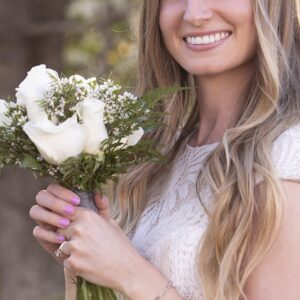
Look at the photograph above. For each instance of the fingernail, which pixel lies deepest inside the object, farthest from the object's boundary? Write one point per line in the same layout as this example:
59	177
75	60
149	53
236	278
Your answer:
69	209
64	222
75	200
61	238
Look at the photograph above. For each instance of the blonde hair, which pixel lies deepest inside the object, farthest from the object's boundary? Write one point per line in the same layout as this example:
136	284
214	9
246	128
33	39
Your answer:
241	229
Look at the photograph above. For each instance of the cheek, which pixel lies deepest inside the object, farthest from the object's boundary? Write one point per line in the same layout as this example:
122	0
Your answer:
170	15
245	34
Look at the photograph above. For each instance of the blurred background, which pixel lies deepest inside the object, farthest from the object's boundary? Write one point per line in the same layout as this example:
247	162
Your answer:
87	37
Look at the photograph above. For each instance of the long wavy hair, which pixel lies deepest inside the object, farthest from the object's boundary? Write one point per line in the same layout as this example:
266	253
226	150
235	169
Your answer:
242	226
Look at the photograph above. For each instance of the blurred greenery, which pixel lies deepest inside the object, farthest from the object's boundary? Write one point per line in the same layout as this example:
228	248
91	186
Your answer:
107	46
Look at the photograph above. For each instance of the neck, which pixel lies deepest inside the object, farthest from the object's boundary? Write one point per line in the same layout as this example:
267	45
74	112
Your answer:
220	101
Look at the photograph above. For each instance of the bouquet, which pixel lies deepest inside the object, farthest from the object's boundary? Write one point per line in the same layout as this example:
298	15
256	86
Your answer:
81	132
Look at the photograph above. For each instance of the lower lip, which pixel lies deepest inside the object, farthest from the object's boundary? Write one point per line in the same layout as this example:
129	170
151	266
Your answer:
205	47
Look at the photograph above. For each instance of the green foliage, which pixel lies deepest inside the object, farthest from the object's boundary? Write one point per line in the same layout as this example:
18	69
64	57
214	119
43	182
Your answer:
88	172
88	291
105	43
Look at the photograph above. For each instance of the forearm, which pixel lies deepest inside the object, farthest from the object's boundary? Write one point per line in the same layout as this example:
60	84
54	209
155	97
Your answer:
70	285
146	282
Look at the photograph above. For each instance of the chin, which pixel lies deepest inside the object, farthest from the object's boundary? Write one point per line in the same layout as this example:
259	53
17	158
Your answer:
206	68
208	71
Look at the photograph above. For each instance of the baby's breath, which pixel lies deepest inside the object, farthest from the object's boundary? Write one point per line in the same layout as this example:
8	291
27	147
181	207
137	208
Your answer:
123	114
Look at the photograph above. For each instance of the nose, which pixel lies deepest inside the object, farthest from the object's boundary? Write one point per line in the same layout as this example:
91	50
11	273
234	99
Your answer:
197	12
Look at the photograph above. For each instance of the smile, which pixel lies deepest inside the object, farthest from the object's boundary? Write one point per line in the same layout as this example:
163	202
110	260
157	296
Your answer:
207	39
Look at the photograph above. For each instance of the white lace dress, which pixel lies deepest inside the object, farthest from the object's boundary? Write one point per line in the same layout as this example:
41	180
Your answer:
169	231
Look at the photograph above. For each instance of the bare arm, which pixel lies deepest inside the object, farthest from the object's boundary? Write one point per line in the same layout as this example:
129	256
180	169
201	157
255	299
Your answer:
278	275
147	282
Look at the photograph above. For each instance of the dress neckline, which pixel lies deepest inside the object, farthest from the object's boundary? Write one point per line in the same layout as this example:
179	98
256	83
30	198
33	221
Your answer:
201	148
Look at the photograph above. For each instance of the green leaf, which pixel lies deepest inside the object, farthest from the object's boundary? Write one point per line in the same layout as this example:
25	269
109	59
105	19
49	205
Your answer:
30	162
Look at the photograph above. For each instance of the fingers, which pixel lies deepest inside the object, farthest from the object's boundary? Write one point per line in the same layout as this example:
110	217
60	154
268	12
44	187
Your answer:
41	233
40	214
56	205
63	193
66	247
102	203
46	226
103	206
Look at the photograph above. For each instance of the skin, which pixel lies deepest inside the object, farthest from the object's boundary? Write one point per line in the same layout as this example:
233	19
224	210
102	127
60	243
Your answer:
95	244
215	70
278	275
221	75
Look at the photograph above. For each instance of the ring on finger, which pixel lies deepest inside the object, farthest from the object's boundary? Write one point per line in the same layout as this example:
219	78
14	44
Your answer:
60	252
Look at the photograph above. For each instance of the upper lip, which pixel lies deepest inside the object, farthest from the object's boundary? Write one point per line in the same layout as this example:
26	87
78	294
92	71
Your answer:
204	33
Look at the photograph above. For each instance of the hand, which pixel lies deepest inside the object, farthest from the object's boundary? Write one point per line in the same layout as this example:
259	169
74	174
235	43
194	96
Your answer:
99	250
52	212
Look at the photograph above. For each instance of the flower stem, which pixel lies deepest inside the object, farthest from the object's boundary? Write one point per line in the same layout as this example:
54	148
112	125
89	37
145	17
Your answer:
89	291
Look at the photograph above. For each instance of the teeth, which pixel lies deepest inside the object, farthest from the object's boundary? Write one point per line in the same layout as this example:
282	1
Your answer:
207	39
198	40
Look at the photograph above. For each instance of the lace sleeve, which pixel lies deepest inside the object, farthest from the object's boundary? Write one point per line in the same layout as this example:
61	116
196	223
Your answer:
286	154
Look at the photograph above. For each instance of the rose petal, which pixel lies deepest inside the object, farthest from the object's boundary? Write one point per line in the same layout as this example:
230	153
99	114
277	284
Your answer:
32	89
56	143
134	138
91	112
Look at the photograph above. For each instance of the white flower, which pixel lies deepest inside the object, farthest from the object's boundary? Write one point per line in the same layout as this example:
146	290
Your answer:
4	120
133	139
33	88
91	112
76	78
56	143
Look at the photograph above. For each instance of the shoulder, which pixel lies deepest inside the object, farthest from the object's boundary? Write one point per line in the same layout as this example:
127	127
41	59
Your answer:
286	154
277	276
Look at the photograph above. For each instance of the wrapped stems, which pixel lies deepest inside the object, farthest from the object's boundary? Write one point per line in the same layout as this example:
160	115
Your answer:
89	291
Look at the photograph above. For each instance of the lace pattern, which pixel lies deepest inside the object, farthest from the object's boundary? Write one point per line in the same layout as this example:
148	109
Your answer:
171	227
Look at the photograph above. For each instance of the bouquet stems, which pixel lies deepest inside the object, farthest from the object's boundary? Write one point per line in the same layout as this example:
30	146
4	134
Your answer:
90	291
85	289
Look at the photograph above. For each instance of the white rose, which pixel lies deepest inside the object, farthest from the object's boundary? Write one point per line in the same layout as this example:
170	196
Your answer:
56	143
32	89
133	139
4	120
91	111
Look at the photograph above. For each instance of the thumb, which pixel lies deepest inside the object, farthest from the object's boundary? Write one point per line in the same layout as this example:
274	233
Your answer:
102	203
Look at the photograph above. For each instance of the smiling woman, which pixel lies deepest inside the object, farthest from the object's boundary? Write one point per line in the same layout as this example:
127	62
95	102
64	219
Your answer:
208	36
220	221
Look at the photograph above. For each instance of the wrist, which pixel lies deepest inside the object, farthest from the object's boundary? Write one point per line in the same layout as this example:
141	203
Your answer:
144	282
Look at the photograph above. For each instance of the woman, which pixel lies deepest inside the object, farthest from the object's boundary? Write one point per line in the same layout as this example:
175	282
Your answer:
221	221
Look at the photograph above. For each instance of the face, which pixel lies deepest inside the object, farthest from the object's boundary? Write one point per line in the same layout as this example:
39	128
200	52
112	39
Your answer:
208	37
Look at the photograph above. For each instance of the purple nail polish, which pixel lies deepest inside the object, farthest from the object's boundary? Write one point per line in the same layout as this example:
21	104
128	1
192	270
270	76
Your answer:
61	238
69	209
75	200
64	222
